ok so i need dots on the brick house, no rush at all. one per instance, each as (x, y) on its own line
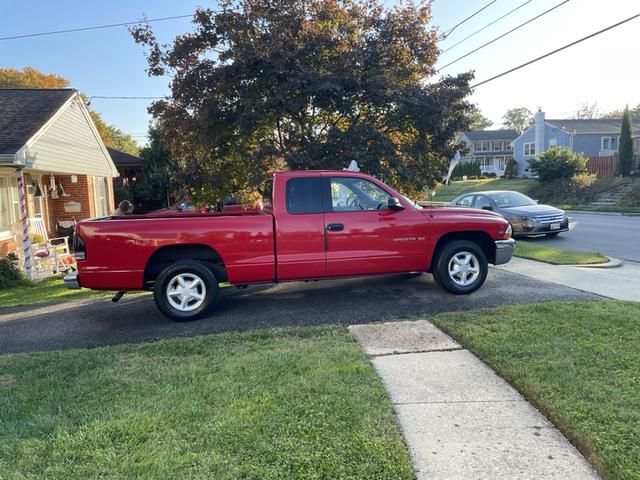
(47, 137)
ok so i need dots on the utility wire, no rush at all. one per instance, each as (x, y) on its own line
(450, 31)
(95, 27)
(557, 50)
(504, 34)
(486, 26)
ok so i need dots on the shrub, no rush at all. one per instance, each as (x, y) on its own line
(10, 274)
(511, 169)
(577, 190)
(466, 168)
(558, 163)
(473, 177)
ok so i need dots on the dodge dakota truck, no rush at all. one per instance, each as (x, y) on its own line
(322, 224)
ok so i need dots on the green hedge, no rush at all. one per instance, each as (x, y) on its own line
(468, 168)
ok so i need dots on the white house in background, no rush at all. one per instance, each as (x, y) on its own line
(48, 134)
(492, 148)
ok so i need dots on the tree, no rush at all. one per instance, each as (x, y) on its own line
(518, 119)
(32, 78)
(557, 163)
(271, 84)
(587, 111)
(625, 150)
(477, 121)
(635, 113)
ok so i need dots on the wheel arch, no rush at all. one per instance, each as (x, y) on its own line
(165, 256)
(480, 238)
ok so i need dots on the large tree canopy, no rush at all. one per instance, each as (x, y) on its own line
(273, 84)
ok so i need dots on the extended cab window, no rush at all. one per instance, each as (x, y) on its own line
(356, 194)
(304, 195)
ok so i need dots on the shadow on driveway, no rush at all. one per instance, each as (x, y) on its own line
(98, 322)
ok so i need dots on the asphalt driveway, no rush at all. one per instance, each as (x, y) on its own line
(97, 322)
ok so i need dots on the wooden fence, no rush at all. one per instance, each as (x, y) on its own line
(602, 166)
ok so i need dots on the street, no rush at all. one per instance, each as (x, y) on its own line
(614, 235)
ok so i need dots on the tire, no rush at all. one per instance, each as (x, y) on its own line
(465, 254)
(198, 297)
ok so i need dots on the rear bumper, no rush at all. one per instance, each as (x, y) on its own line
(71, 281)
(504, 251)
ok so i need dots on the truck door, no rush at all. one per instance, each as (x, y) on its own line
(300, 234)
(364, 236)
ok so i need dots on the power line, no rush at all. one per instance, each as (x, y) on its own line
(486, 26)
(504, 34)
(95, 27)
(556, 50)
(450, 31)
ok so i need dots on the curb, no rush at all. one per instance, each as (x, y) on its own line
(612, 263)
(616, 214)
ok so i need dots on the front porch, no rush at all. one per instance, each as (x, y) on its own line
(494, 164)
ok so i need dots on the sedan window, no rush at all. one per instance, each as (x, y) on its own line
(482, 201)
(466, 201)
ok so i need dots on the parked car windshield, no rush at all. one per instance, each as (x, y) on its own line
(510, 199)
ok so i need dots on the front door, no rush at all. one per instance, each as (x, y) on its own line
(364, 236)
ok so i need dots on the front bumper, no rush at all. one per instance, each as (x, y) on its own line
(71, 281)
(535, 228)
(504, 251)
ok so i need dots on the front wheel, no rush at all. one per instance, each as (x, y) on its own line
(186, 290)
(460, 267)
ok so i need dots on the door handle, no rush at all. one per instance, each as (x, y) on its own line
(335, 227)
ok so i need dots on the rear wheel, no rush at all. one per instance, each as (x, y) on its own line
(460, 267)
(186, 290)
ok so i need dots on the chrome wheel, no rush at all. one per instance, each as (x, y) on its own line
(186, 292)
(464, 268)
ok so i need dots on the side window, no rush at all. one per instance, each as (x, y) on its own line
(356, 194)
(466, 201)
(304, 195)
(482, 201)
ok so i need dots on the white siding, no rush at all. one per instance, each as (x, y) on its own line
(69, 145)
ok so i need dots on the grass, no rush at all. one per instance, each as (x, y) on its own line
(576, 361)
(50, 290)
(299, 403)
(446, 193)
(535, 250)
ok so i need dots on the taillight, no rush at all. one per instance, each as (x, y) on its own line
(78, 248)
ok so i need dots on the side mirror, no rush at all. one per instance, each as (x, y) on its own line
(488, 207)
(394, 204)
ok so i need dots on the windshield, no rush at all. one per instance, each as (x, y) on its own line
(510, 199)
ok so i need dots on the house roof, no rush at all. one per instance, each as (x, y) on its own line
(487, 135)
(595, 125)
(23, 111)
(123, 159)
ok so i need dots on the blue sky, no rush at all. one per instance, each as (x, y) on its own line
(107, 62)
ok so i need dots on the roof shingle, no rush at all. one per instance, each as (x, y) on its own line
(23, 111)
(593, 125)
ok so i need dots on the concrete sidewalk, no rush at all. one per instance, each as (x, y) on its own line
(459, 419)
(622, 283)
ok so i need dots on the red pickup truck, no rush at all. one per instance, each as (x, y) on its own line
(323, 224)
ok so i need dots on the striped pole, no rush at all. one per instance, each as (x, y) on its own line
(26, 241)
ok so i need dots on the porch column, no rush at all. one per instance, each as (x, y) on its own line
(26, 241)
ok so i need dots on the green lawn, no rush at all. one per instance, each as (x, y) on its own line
(446, 193)
(579, 362)
(49, 290)
(300, 403)
(537, 250)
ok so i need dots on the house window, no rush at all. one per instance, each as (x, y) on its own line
(9, 206)
(605, 143)
(482, 146)
(497, 146)
(553, 142)
(509, 147)
(529, 149)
